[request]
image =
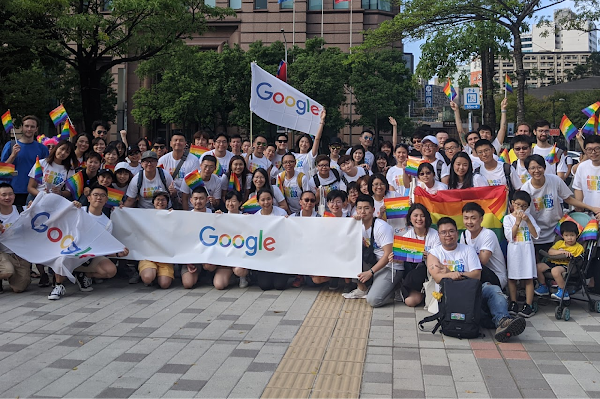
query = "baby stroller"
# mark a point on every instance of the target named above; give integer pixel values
(575, 277)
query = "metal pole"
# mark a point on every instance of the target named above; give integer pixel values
(350, 27)
(322, 7)
(293, 23)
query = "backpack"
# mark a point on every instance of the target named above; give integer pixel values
(438, 169)
(337, 178)
(459, 309)
(281, 179)
(161, 173)
(506, 168)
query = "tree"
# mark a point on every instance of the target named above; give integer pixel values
(95, 35)
(420, 17)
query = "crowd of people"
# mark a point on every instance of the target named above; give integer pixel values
(353, 184)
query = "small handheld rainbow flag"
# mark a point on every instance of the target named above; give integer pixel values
(567, 128)
(198, 150)
(328, 214)
(591, 110)
(6, 170)
(412, 165)
(449, 90)
(41, 138)
(566, 218)
(552, 156)
(58, 115)
(218, 169)
(75, 185)
(591, 126)
(504, 156)
(408, 249)
(508, 84)
(193, 180)
(251, 206)
(234, 183)
(114, 197)
(590, 231)
(396, 208)
(68, 131)
(39, 171)
(7, 121)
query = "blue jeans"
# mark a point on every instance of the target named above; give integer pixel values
(494, 303)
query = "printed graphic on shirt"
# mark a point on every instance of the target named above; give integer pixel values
(367, 243)
(52, 177)
(148, 192)
(457, 265)
(593, 183)
(545, 202)
(525, 177)
(495, 182)
(292, 192)
(523, 234)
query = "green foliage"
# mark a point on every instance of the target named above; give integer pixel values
(590, 68)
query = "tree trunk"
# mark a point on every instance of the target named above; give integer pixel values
(521, 77)
(90, 81)
(487, 83)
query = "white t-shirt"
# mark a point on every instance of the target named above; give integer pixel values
(292, 191)
(475, 161)
(497, 177)
(304, 162)
(361, 172)
(225, 182)
(206, 210)
(7, 221)
(551, 168)
(212, 186)
(379, 205)
(169, 164)
(223, 161)
(520, 255)
(522, 174)
(463, 258)
(432, 239)
(54, 174)
(395, 177)
(277, 160)
(133, 169)
(329, 184)
(444, 171)
(149, 187)
(383, 235)
(102, 219)
(369, 157)
(587, 179)
(277, 194)
(277, 211)
(295, 214)
(487, 240)
(258, 163)
(437, 186)
(478, 181)
(546, 206)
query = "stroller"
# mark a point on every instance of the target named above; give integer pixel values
(575, 277)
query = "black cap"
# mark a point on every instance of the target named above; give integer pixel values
(106, 171)
(160, 140)
(133, 149)
(335, 140)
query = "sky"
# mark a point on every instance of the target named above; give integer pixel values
(414, 46)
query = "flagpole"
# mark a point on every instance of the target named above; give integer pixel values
(505, 88)
(250, 127)
(322, 7)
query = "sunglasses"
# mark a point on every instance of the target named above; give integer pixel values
(101, 131)
(311, 200)
(368, 138)
(159, 147)
(282, 141)
(335, 147)
(260, 144)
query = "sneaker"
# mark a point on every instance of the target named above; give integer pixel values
(542, 290)
(298, 281)
(349, 287)
(84, 282)
(398, 295)
(134, 275)
(526, 311)
(509, 327)
(44, 281)
(513, 308)
(559, 294)
(243, 282)
(57, 292)
(334, 283)
(355, 294)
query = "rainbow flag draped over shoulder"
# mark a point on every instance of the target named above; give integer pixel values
(449, 91)
(198, 150)
(493, 200)
(591, 110)
(114, 197)
(412, 165)
(408, 249)
(396, 208)
(590, 231)
(7, 121)
(58, 115)
(39, 171)
(591, 126)
(567, 128)
(234, 183)
(566, 218)
(508, 84)
(251, 206)
(75, 185)
(193, 180)
(552, 156)
(504, 156)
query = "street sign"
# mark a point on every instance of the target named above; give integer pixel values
(472, 97)
(428, 96)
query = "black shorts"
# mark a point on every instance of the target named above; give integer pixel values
(413, 281)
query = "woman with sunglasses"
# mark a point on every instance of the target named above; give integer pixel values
(426, 179)
(335, 147)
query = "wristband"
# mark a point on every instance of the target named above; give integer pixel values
(372, 272)
(503, 111)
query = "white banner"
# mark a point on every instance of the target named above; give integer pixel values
(309, 246)
(279, 103)
(54, 233)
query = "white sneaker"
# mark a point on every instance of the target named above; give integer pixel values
(57, 292)
(243, 282)
(355, 294)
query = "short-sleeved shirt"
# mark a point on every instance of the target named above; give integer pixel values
(560, 167)
(23, 162)
(329, 184)
(170, 164)
(223, 161)
(383, 235)
(54, 174)
(304, 162)
(463, 258)
(395, 177)
(587, 180)
(292, 191)
(102, 219)
(361, 172)
(148, 188)
(487, 240)
(575, 250)
(258, 163)
(277, 194)
(522, 173)
(7, 221)
(212, 186)
(277, 211)
(369, 157)
(497, 176)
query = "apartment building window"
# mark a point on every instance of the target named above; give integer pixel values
(287, 5)
(212, 3)
(260, 4)
(314, 4)
(235, 4)
(342, 5)
(382, 5)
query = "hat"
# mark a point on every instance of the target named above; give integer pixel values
(122, 165)
(430, 138)
(160, 140)
(133, 149)
(335, 140)
(149, 154)
(105, 171)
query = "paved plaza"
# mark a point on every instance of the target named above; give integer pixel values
(133, 341)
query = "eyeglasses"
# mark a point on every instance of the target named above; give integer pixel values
(221, 142)
(593, 150)
(521, 148)
(428, 145)
(282, 141)
(338, 203)
(288, 162)
(97, 195)
(324, 165)
(451, 148)
(425, 173)
(311, 200)
(484, 151)
(368, 138)
(535, 168)
(335, 147)
(415, 141)
(260, 144)
(158, 147)
(447, 232)
(101, 131)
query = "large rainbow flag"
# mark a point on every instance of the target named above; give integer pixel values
(493, 200)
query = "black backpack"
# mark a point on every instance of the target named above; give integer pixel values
(459, 309)
(507, 171)
(337, 175)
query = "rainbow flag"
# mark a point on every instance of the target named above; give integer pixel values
(7, 121)
(114, 197)
(412, 165)
(590, 231)
(449, 91)
(251, 206)
(198, 150)
(218, 169)
(508, 84)
(567, 128)
(566, 218)
(234, 183)
(193, 180)
(109, 167)
(591, 126)
(396, 208)
(68, 131)
(493, 200)
(6, 170)
(58, 115)
(328, 214)
(75, 185)
(39, 171)
(552, 156)
(408, 249)
(591, 110)
(41, 138)
(504, 156)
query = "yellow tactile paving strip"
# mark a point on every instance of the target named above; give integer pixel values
(326, 357)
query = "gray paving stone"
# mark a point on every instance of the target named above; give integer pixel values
(261, 367)
(12, 347)
(131, 357)
(553, 369)
(134, 320)
(244, 353)
(571, 356)
(174, 368)
(65, 363)
(188, 385)
(379, 378)
(436, 370)
(116, 393)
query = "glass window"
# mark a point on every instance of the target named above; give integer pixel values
(260, 4)
(287, 5)
(315, 4)
(342, 5)
(235, 4)
(383, 5)
(212, 3)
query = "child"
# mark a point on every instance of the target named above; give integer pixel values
(569, 247)
(520, 229)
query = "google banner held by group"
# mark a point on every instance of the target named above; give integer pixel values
(279, 103)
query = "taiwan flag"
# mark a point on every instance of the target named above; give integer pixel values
(282, 71)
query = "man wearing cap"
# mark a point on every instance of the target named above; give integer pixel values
(429, 151)
(134, 155)
(366, 139)
(178, 164)
(149, 180)
(160, 146)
